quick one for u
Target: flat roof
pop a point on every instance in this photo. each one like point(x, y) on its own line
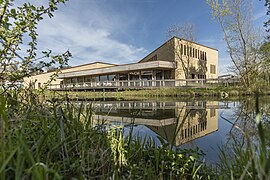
point(120, 68)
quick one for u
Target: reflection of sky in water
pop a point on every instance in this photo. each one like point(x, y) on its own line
point(209, 141)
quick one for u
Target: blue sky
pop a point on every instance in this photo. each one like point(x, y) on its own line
point(124, 31)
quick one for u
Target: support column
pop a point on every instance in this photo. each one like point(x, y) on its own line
point(140, 78)
point(128, 80)
point(163, 84)
point(154, 77)
point(117, 80)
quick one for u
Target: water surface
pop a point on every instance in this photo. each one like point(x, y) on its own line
point(206, 124)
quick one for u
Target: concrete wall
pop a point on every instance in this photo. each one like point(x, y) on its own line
point(162, 53)
point(197, 65)
point(43, 78)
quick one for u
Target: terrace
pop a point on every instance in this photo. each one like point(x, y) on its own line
point(152, 74)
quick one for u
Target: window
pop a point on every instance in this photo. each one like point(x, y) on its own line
point(212, 69)
point(153, 58)
point(181, 49)
point(68, 81)
point(103, 78)
point(88, 79)
point(39, 85)
point(80, 79)
point(96, 79)
point(192, 76)
point(190, 52)
point(111, 77)
point(195, 53)
point(205, 56)
point(202, 55)
point(185, 48)
point(212, 112)
point(73, 80)
point(187, 51)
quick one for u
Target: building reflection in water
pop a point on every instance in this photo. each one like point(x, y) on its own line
point(176, 122)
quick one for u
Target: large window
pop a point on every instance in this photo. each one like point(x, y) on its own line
point(103, 78)
point(212, 69)
point(73, 80)
point(111, 77)
point(88, 79)
point(80, 79)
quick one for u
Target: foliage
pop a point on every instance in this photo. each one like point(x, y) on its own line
point(243, 41)
point(247, 158)
point(47, 139)
point(18, 39)
point(267, 23)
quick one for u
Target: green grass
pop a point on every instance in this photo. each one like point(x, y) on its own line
point(48, 139)
point(244, 157)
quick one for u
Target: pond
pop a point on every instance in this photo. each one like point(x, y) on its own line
point(206, 124)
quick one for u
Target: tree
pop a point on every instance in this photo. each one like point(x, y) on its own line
point(18, 27)
point(267, 23)
point(265, 49)
point(242, 41)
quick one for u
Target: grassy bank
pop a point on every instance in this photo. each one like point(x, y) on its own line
point(215, 92)
point(51, 140)
point(48, 139)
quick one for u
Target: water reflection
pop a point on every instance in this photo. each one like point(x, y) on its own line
point(176, 122)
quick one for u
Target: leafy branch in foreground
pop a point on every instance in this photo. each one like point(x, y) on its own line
point(18, 40)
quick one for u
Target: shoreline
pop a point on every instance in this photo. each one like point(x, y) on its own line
point(188, 93)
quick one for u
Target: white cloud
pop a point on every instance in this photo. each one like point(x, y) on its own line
point(259, 15)
point(89, 33)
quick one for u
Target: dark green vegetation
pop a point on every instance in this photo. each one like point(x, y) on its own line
point(46, 139)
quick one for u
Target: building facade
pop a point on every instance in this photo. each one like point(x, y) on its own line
point(177, 62)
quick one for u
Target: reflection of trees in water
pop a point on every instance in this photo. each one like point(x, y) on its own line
point(244, 117)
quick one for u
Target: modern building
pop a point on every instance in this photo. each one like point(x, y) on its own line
point(177, 62)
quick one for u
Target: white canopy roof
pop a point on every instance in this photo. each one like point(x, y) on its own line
point(120, 68)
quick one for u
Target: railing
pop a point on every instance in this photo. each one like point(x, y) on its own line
point(133, 84)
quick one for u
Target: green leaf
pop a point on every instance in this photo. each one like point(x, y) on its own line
point(13, 11)
point(7, 160)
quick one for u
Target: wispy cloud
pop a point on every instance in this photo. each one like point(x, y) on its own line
point(258, 15)
point(224, 65)
point(89, 33)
